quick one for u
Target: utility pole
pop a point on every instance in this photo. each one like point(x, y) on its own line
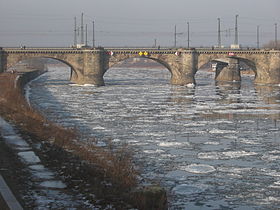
point(82, 29)
point(175, 36)
point(236, 31)
point(258, 37)
point(155, 43)
point(75, 32)
point(188, 35)
point(86, 36)
point(219, 33)
point(93, 41)
point(276, 44)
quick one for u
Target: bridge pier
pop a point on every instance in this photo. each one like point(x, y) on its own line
point(268, 70)
point(230, 73)
point(182, 79)
point(94, 68)
point(92, 79)
point(89, 69)
point(183, 71)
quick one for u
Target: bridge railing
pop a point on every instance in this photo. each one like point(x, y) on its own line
point(135, 50)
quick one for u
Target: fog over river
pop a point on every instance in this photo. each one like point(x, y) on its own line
point(212, 147)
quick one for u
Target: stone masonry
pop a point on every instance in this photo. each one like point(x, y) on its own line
point(88, 66)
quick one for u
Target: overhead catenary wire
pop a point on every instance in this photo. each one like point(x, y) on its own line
point(145, 27)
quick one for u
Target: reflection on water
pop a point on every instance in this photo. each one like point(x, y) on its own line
point(269, 94)
point(226, 89)
point(215, 146)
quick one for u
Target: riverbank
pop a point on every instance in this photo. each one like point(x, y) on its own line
point(104, 176)
point(12, 169)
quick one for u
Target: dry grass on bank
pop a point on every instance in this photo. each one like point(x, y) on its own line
point(115, 166)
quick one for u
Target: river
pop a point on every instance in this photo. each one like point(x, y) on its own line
point(212, 147)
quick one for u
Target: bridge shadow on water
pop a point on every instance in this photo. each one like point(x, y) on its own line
point(55, 110)
point(131, 82)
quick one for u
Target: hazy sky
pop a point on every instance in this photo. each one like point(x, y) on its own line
point(136, 22)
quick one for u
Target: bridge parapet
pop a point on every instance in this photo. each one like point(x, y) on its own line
point(237, 52)
point(47, 50)
point(137, 50)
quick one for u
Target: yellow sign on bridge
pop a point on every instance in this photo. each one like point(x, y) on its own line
point(143, 53)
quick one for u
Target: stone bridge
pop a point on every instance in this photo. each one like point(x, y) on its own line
point(88, 66)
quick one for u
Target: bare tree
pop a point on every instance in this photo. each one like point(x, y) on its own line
point(272, 45)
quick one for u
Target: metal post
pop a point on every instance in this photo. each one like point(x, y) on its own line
point(82, 29)
point(258, 37)
point(219, 33)
point(175, 37)
point(188, 35)
point(276, 44)
point(236, 31)
point(93, 41)
point(86, 36)
point(75, 32)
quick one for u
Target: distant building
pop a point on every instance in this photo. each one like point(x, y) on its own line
point(235, 46)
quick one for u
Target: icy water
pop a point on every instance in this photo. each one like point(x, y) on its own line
point(212, 147)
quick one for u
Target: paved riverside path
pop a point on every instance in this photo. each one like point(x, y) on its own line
point(47, 189)
point(8, 196)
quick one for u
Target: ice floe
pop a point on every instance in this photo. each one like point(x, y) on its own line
point(172, 144)
point(153, 151)
point(198, 168)
point(225, 155)
point(190, 85)
point(220, 131)
point(234, 170)
point(212, 143)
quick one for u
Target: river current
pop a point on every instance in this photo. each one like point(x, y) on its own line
point(212, 146)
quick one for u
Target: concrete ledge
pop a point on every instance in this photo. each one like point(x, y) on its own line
point(25, 77)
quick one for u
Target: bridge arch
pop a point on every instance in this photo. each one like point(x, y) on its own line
point(224, 60)
point(251, 64)
point(73, 73)
point(14, 58)
point(119, 58)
